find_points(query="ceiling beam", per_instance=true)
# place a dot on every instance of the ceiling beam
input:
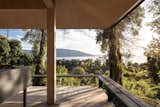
(48, 3)
(135, 6)
(23, 18)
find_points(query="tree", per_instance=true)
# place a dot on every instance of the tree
(153, 49)
(78, 70)
(62, 70)
(38, 39)
(153, 55)
(4, 51)
(153, 9)
(15, 51)
(109, 40)
(26, 59)
(11, 53)
(94, 67)
(154, 69)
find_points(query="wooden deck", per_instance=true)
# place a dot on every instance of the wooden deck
(81, 96)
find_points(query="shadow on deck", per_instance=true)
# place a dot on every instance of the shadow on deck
(81, 96)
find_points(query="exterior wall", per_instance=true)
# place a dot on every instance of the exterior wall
(13, 80)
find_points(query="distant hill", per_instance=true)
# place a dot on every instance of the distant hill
(66, 53)
(70, 53)
(27, 51)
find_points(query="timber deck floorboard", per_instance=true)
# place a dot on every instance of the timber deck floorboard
(67, 96)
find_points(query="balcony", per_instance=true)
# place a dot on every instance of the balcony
(107, 94)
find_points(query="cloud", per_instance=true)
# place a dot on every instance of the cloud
(77, 40)
(85, 40)
(26, 46)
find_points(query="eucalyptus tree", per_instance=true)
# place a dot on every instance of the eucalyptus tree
(153, 10)
(38, 40)
(110, 41)
(153, 50)
(153, 56)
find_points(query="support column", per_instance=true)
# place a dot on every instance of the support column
(51, 56)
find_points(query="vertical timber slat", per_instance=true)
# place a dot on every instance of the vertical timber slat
(51, 56)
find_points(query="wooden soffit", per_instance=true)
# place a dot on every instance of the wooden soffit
(70, 14)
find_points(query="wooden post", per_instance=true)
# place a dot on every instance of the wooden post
(100, 84)
(51, 56)
(24, 97)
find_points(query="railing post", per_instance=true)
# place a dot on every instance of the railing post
(24, 96)
(100, 83)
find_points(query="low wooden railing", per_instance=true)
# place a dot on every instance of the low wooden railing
(116, 93)
(120, 96)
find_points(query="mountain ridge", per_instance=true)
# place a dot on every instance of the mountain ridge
(70, 53)
(60, 52)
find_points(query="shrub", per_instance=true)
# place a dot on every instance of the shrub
(154, 69)
(15, 52)
(4, 51)
(26, 59)
(78, 70)
(141, 88)
(62, 70)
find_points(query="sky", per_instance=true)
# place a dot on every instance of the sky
(16, 34)
(85, 40)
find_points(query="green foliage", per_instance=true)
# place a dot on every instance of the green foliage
(135, 67)
(78, 70)
(94, 67)
(90, 66)
(153, 55)
(102, 40)
(11, 53)
(140, 84)
(107, 73)
(61, 70)
(153, 8)
(141, 87)
(109, 40)
(15, 51)
(154, 69)
(81, 68)
(136, 80)
(4, 51)
(153, 49)
(38, 39)
(69, 64)
(26, 59)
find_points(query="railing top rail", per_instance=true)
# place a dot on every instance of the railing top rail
(126, 97)
(71, 75)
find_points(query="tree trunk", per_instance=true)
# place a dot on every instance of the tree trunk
(115, 57)
(38, 67)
